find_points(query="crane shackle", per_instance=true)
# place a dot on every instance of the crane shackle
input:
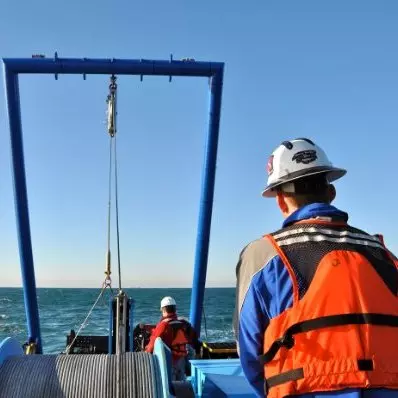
(111, 100)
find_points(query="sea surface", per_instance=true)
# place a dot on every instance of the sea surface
(64, 309)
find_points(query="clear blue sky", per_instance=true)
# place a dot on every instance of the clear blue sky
(327, 70)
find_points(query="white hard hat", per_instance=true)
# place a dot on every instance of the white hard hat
(167, 301)
(296, 159)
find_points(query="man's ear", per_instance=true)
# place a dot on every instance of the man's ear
(332, 193)
(280, 199)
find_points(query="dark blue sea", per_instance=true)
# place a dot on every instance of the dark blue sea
(64, 309)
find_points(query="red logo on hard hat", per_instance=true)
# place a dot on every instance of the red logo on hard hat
(270, 165)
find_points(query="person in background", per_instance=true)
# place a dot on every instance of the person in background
(316, 301)
(176, 333)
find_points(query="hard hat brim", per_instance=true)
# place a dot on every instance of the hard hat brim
(333, 174)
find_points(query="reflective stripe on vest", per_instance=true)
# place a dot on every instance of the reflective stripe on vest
(342, 329)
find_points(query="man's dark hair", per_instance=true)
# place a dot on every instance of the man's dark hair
(170, 309)
(312, 189)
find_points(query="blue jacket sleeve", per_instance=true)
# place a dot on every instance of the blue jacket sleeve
(252, 324)
(269, 293)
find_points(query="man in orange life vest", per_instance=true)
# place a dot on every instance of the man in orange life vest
(316, 302)
(176, 333)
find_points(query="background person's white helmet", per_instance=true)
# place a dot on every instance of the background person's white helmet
(296, 159)
(167, 301)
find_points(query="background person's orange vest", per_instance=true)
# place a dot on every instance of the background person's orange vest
(180, 339)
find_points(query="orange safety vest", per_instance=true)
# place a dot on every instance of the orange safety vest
(341, 331)
(179, 337)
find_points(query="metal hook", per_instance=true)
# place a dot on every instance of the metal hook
(84, 75)
(112, 84)
(171, 60)
(141, 76)
(55, 60)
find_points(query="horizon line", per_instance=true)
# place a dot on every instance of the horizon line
(127, 287)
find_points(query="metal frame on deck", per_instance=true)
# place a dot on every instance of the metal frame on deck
(41, 65)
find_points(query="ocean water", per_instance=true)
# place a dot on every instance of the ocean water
(64, 309)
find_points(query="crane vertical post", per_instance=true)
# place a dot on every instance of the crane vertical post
(206, 201)
(111, 331)
(21, 208)
(131, 324)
